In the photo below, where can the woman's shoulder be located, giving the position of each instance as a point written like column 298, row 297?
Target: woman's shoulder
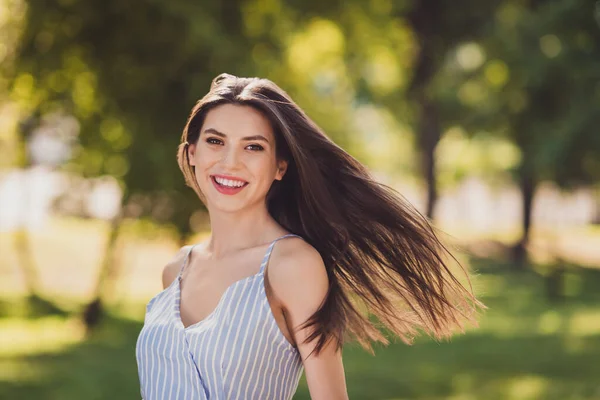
column 297, row 273
column 294, row 250
column 172, row 268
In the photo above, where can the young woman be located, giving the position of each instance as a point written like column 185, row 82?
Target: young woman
column 304, row 246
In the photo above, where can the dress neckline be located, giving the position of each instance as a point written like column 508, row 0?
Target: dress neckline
column 209, row 316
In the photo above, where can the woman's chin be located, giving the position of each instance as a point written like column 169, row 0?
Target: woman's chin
column 227, row 204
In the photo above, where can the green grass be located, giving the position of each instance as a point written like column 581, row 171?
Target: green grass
column 526, row 348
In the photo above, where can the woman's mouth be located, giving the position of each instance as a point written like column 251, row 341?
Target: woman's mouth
column 228, row 185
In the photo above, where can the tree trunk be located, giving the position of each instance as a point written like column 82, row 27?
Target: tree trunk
column 94, row 310
column 527, row 185
column 423, row 19
column 429, row 137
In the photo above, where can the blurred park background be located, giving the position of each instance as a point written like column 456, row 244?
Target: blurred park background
column 484, row 114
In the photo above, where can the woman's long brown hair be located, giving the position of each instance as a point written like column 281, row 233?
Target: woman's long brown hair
column 383, row 258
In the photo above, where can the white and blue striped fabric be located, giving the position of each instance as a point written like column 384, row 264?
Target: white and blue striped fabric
column 236, row 352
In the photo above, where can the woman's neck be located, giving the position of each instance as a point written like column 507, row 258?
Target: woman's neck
column 241, row 230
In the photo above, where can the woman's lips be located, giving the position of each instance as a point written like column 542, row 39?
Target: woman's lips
column 228, row 190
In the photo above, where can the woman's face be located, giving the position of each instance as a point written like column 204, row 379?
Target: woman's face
column 234, row 158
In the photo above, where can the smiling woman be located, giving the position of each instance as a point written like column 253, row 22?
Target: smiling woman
column 235, row 152
column 242, row 318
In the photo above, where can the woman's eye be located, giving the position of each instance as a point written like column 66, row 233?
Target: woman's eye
column 253, row 147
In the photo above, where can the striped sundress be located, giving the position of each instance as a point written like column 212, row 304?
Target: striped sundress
column 236, row 352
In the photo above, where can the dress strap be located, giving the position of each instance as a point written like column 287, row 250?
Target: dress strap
column 270, row 250
column 185, row 261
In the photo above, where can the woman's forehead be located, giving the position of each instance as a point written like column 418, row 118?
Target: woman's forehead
column 237, row 121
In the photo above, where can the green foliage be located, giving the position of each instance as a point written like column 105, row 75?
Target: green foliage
column 537, row 85
column 131, row 71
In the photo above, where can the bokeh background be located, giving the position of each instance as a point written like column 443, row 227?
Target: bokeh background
column 484, row 114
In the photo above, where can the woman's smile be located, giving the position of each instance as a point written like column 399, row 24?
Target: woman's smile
column 227, row 184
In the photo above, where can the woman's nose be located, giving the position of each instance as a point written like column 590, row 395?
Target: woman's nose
column 231, row 157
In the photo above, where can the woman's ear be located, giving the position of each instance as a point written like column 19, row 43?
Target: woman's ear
column 281, row 169
column 191, row 149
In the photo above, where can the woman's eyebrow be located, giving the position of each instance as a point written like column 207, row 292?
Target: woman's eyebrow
column 221, row 134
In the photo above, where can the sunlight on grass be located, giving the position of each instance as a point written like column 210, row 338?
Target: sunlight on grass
column 585, row 323
column 527, row 388
column 18, row 371
column 489, row 285
column 21, row 337
column 580, row 323
column 463, row 396
column 549, row 322
column 462, row 383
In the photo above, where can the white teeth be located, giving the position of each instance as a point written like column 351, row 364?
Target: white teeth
column 229, row 182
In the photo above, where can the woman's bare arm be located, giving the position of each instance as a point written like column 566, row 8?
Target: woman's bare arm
column 299, row 281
